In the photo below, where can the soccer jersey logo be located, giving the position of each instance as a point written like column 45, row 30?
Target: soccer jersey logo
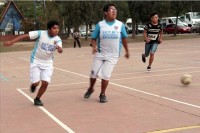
column 116, row 27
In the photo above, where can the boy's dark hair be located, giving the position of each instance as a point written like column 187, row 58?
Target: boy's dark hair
column 51, row 24
column 154, row 13
column 106, row 6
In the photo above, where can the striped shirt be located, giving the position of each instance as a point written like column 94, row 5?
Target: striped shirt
column 153, row 32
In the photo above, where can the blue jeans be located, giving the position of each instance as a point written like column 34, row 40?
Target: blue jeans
column 150, row 48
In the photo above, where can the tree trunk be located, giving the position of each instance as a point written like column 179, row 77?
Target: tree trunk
column 63, row 25
column 68, row 33
column 199, row 29
column 86, row 37
column 136, row 27
column 176, row 26
column 133, row 27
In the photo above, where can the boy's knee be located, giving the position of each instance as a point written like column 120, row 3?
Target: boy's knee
column 152, row 54
column 36, row 83
column 146, row 54
column 45, row 83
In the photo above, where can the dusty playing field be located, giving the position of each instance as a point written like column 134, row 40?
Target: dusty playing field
column 138, row 101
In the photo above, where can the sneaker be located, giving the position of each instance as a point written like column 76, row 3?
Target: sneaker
column 88, row 93
column 149, row 68
column 38, row 102
column 32, row 88
column 102, row 98
column 143, row 58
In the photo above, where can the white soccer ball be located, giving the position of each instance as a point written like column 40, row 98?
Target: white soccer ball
column 186, row 79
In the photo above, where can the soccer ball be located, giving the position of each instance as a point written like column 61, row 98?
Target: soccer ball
column 186, row 79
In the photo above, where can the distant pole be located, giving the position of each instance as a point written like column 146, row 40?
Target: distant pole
column 35, row 14
column 44, row 11
column 63, row 18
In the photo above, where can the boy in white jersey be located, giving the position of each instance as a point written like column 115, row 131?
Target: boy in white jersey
column 153, row 36
column 41, row 68
column 111, row 34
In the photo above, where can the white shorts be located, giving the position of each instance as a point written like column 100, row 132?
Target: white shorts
column 102, row 67
column 40, row 72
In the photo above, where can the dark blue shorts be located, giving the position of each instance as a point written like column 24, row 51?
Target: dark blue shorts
column 150, row 48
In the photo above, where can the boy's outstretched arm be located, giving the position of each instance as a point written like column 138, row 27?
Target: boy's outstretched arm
column 21, row 37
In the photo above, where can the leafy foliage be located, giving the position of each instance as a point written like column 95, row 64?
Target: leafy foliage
column 74, row 13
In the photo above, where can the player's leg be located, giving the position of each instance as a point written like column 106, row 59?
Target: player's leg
column 34, row 76
column 102, row 96
column 105, row 73
column 152, row 52
column 33, row 86
column 79, row 43
column 92, row 83
column 96, row 65
column 45, row 78
column 42, row 89
column 74, row 43
column 146, row 54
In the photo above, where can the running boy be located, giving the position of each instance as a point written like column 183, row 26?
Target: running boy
column 111, row 34
column 153, row 36
column 41, row 67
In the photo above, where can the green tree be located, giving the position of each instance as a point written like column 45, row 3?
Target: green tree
column 33, row 13
column 122, row 10
column 178, row 7
column 140, row 11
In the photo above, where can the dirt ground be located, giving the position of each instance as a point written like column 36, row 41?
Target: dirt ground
column 138, row 101
column 28, row 45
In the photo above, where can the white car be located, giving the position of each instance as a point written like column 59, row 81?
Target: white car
column 83, row 33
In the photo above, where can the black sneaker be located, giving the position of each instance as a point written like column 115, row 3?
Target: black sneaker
column 143, row 58
column 102, row 98
column 149, row 68
column 32, row 88
column 38, row 102
column 88, row 93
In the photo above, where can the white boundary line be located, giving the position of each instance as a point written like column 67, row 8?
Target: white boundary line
column 65, row 127
column 154, row 71
column 151, row 94
column 70, row 130
column 155, row 75
column 147, row 93
column 60, row 85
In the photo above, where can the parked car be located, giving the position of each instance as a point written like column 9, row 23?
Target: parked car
column 129, row 29
column 171, row 20
column 83, row 33
column 170, row 29
column 195, row 28
column 141, row 28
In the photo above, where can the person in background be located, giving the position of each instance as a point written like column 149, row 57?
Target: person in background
column 153, row 36
column 76, row 38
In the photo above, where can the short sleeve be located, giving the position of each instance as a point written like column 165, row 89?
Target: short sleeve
column 34, row 34
column 96, row 32
column 146, row 27
column 59, row 42
column 123, row 31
